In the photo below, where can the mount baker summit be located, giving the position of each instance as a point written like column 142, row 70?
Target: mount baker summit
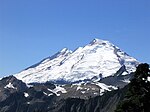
column 93, row 78
column 97, row 60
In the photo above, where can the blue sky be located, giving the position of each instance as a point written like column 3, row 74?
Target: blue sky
column 31, row 30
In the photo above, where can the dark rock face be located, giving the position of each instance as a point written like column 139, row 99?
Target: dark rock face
column 105, row 103
column 17, row 97
column 118, row 80
column 10, row 85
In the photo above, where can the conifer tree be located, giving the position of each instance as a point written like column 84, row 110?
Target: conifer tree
column 137, row 98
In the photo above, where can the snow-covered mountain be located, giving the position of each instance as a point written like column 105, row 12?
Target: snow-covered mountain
column 98, row 59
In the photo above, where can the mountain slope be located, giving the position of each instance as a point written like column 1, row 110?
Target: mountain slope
column 89, row 79
column 37, row 99
column 95, row 61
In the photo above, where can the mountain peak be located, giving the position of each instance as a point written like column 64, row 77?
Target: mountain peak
column 98, row 41
column 85, row 63
column 65, row 51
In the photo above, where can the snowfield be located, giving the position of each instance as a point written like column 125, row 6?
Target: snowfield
column 98, row 59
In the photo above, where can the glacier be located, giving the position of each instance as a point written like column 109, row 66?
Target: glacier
column 94, row 61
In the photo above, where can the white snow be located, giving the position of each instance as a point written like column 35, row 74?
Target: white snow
column 82, row 92
column 10, row 85
column 26, row 94
column 105, row 87
column 50, row 94
column 57, row 90
column 28, row 102
column 98, row 57
column 124, row 73
column 148, row 78
column 126, row 80
column 93, row 88
column 78, row 88
column 29, row 85
column 47, row 94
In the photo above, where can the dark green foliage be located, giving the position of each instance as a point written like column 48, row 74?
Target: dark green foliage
column 137, row 98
